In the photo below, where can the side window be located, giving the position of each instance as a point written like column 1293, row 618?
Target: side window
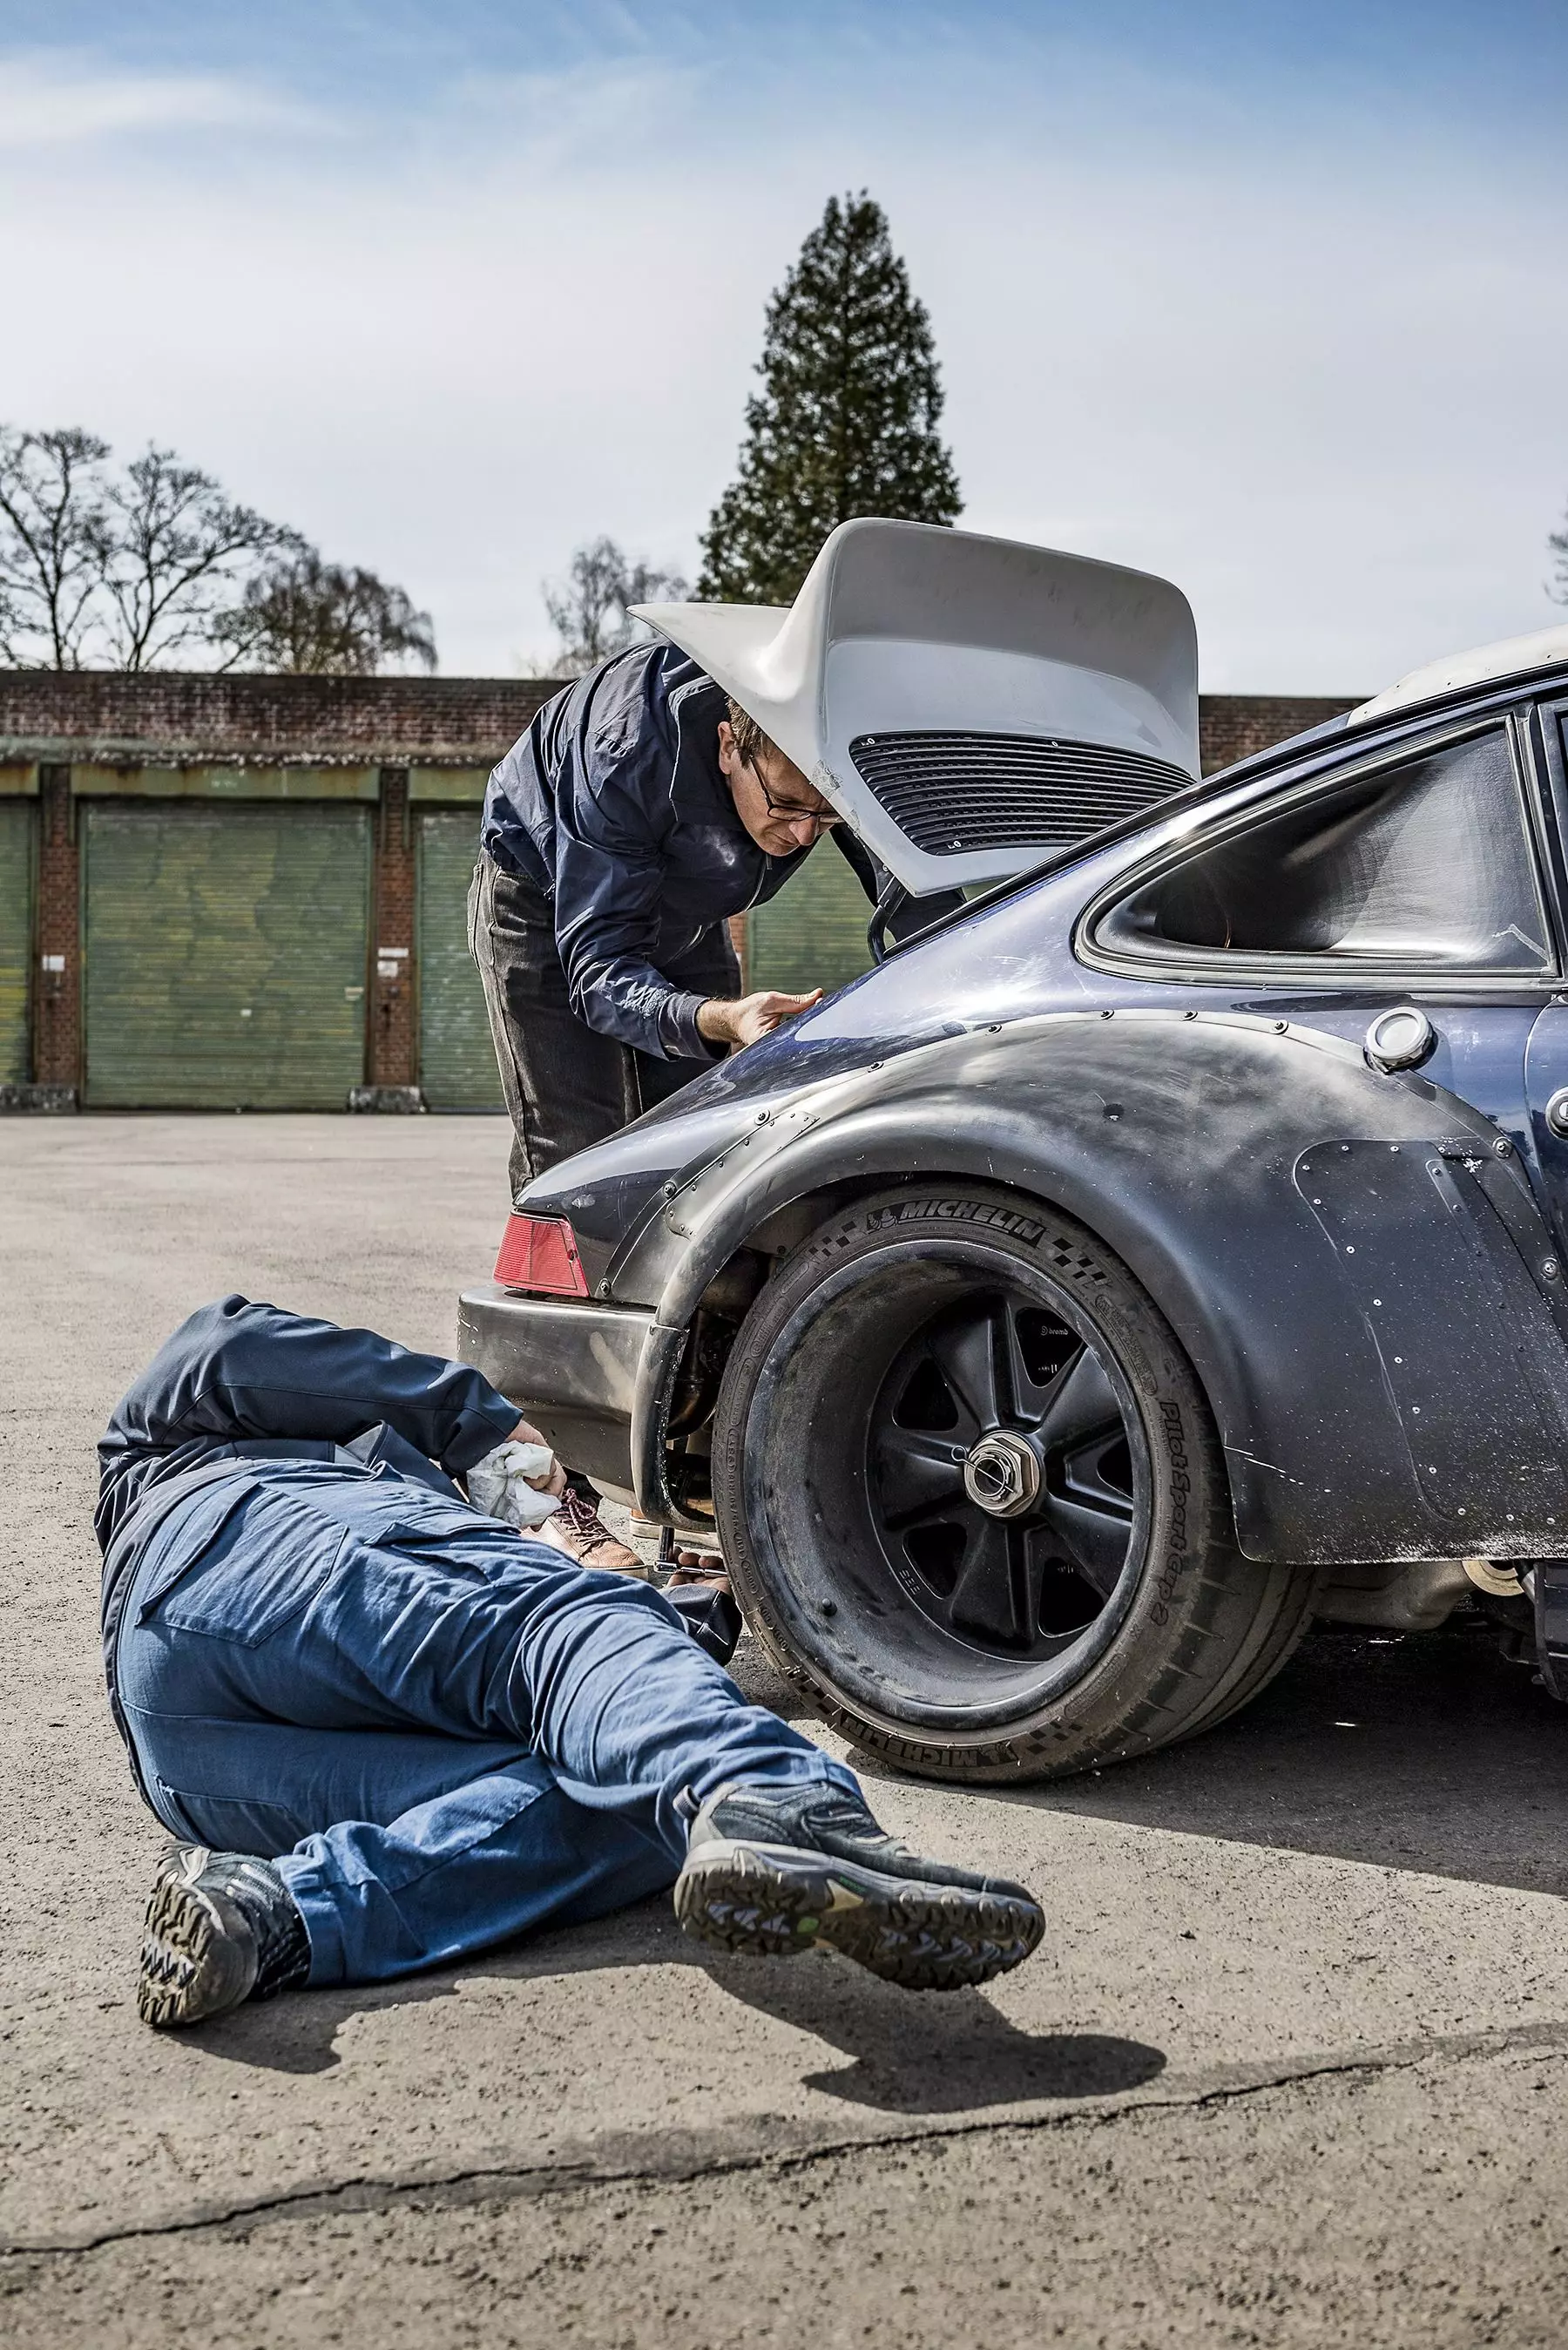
column 1427, row 863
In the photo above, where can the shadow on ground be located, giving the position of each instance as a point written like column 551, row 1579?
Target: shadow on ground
column 921, row 2056
column 1423, row 1750
column 908, row 2054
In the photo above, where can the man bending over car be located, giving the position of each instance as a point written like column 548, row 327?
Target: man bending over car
column 385, row 1730
column 640, row 810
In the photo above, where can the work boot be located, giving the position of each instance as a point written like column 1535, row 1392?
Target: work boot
column 221, row 1927
column 771, row 1870
column 579, row 1534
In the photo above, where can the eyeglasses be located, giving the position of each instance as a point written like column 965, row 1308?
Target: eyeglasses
column 790, row 811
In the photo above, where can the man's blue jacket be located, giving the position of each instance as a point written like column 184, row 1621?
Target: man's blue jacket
column 323, row 1432
column 614, row 807
column 275, row 1438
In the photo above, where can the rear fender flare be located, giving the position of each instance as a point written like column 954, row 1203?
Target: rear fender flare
column 1316, row 1235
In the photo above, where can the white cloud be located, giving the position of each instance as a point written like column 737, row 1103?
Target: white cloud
column 56, row 98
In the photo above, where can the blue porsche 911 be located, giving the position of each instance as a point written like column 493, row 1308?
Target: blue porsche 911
column 1160, row 1251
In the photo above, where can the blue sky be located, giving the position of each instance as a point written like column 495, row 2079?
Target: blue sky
column 1269, row 298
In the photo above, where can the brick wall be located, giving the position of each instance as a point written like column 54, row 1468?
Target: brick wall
column 394, row 721
column 57, row 969
column 1232, row 726
column 178, row 714
column 392, row 1055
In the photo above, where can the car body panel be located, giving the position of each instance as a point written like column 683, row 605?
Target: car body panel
column 572, row 1366
column 1541, row 649
column 1179, row 1139
column 1336, row 1320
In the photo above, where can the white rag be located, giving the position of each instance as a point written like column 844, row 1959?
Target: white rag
column 499, row 1484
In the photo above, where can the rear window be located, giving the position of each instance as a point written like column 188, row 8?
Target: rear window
column 1426, row 864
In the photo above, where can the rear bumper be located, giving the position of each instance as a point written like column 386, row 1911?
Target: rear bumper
column 571, row 1369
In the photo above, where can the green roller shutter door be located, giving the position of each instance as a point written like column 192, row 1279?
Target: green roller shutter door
column 457, row 1059
column 17, row 823
column 225, row 955
column 813, row 934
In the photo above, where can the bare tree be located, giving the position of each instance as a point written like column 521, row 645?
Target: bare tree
column 124, row 570
column 54, row 541
column 589, row 609
column 308, row 616
column 1558, row 543
column 180, row 547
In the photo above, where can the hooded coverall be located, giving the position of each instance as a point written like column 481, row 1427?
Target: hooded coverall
column 440, row 1730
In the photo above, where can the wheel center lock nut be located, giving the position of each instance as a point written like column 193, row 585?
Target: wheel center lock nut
column 1002, row 1474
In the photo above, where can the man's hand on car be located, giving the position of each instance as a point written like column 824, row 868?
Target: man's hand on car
column 742, row 1019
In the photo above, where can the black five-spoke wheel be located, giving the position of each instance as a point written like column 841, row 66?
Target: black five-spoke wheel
column 1001, row 1474
column 970, row 1490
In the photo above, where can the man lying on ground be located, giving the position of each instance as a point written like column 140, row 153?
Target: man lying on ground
column 385, row 1730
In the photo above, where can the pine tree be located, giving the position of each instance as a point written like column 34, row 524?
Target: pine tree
column 846, row 421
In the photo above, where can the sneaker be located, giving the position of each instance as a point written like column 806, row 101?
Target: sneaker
column 221, row 1927
column 771, row 1870
column 579, row 1532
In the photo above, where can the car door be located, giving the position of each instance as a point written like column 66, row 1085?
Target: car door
column 1469, row 909
column 1419, row 873
column 1545, row 743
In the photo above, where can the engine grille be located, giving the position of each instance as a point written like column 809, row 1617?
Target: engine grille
column 952, row 792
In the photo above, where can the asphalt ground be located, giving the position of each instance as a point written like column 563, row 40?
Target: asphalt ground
column 1289, row 2069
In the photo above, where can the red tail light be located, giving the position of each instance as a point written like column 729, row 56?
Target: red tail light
column 541, row 1252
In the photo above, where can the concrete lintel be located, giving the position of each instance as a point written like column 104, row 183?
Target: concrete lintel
column 450, row 784
column 232, row 780
column 399, row 1100
column 38, row 1100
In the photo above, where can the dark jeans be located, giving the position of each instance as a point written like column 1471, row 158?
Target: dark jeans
column 566, row 1086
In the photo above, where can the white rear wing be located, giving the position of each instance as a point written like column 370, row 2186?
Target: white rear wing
column 968, row 704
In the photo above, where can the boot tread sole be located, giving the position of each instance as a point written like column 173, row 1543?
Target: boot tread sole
column 190, row 1966
column 774, row 1901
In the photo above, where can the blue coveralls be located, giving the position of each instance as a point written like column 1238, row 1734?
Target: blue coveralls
column 441, row 1732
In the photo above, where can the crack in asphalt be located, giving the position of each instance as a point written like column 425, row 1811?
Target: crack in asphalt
column 559, row 2175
